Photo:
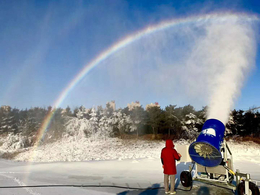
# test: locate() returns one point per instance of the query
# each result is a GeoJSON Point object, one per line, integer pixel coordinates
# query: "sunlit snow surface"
{"type": "Point", "coordinates": [137, 173]}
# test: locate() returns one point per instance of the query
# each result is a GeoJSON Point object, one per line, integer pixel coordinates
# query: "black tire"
{"type": "Point", "coordinates": [241, 188]}
{"type": "Point", "coordinates": [186, 179]}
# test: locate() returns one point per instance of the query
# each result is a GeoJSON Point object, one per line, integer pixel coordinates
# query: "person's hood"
{"type": "Point", "coordinates": [169, 144]}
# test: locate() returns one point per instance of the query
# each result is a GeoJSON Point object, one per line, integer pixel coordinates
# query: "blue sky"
{"type": "Point", "coordinates": [45, 44]}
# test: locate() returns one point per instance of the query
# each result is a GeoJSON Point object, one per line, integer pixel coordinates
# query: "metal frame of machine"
{"type": "Point", "coordinates": [223, 174]}
{"type": "Point", "coordinates": [213, 161]}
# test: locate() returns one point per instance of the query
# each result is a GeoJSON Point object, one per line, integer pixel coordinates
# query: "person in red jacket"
{"type": "Point", "coordinates": [168, 157]}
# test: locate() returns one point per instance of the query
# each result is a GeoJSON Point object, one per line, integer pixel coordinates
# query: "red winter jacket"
{"type": "Point", "coordinates": [168, 157]}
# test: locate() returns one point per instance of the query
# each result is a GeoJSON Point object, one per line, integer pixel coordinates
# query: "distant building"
{"type": "Point", "coordinates": [156, 104]}
{"type": "Point", "coordinates": [112, 104]}
{"type": "Point", "coordinates": [5, 108]}
{"type": "Point", "coordinates": [63, 112]}
{"type": "Point", "coordinates": [133, 105]}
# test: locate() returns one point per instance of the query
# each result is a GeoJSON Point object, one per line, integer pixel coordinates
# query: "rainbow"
{"type": "Point", "coordinates": [125, 42]}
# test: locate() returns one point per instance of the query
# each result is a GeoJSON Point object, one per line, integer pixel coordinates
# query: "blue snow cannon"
{"type": "Point", "coordinates": [206, 149]}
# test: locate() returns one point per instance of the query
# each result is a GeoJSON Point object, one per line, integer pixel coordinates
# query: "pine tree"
{"type": "Point", "coordinates": [93, 122]}
{"type": "Point", "coordinates": [189, 126]}
{"type": "Point", "coordinates": [121, 123]}
{"type": "Point", "coordinates": [154, 118]}
{"type": "Point", "coordinates": [236, 125]}
{"type": "Point", "coordinates": [105, 128]}
{"type": "Point", "coordinates": [78, 127]}
{"type": "Point", "coordinates": [68, 112]}
{"type": "Point", "coordinates": [137, 115]}
{"type": "Point", "coordinates": [9, 118]}
{"type": "Point", "coordinates": [172, 122]}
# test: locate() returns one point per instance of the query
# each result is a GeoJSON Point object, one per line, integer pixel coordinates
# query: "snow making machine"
{"type": "Point", "coordinates": [213, 163]}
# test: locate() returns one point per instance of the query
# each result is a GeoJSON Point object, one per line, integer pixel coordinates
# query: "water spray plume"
{"type": "Point", "coordinates": [232, 59]}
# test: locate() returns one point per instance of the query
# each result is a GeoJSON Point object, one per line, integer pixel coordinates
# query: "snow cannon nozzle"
{"type": "Point", "coordinates": [206, 149]}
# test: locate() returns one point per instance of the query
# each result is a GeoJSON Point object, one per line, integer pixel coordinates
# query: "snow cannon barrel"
{"type": "Point", "coordinates": [206, 149]}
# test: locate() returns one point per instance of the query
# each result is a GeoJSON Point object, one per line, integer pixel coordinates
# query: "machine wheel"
{"type": "Point", "coordinates": [186, 179]}
{"type": "Point", "coordinates": [252, 187]}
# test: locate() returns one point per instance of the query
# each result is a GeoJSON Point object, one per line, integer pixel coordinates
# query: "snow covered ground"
{"type": "Point", "coordinates": [72, 149]}
{"type": "Point", "coordinates": [128, 163]}
{"type": "Point", "coordinates": [137, 173]}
